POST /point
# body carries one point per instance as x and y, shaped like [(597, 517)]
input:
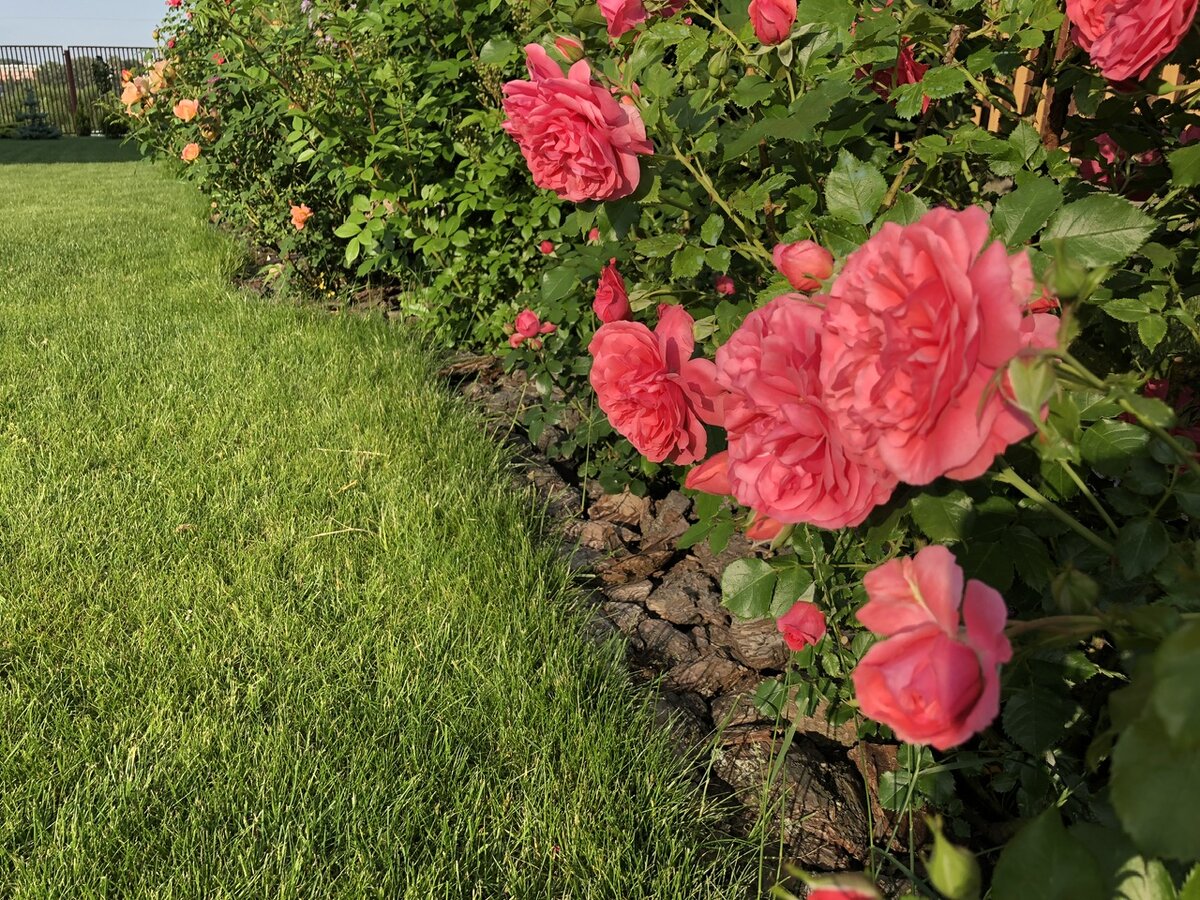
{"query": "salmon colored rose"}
[(652, 391), (787, 456), (623, 15), (764, 528), (711, 476), (805, 264), (186, 109), (773, 20), (190, 153), (528, 327), (300, 216), (802, 626), (1127, 39), (933, 680), (611, 303), (917, 326), (578, 140)]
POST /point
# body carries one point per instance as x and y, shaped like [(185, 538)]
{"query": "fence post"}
[(72, 95)]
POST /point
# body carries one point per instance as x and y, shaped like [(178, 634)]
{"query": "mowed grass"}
[(67, 150), (273, 620)]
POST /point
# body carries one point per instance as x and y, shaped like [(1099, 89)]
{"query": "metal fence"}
[(66, 81)]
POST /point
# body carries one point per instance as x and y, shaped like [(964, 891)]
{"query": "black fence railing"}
[(70, 83)]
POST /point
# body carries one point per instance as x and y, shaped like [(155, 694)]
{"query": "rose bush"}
[(912, 289)]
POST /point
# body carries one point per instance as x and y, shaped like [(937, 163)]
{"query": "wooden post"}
[(72, 94)]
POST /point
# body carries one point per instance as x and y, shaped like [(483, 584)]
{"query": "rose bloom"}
[(133, 91), (622, 15), (711, 476), (652, 391), (724, 285), (764, 528), (1127, 39), (787, 456), (773, 20), (186, 109), (842, 893), (802, 626), (593, 235), (932, 681), (917, 326), (300, 216), (906, 70), (805, 264), (190, 153), (611, 303), (577, 139), (528, 324), (547, 247), (571, 49)]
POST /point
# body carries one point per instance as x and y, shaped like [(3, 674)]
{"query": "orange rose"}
[(190, 153), (187, 109), (300, 215)]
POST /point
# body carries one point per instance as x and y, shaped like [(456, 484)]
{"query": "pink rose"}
[(1127, 39), (764, 528), (515, 339), (652, 391), (724, 285), (593, 235), (548, 328), (842, 893), (773, 20), (787, 456), (577, 139), (528, 323), (623, 15), (711, 476), (917, 326), (932, 681), (804, 264), (611, 303), (802, 626), (547, 247)]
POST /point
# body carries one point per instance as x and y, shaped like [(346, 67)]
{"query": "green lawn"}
[(273, 622), (67, 150)]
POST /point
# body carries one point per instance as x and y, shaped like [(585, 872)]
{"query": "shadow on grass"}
[(68, 150)]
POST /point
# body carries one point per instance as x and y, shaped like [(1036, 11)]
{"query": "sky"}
[(108, 23)]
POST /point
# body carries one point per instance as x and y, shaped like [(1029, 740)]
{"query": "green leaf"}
[(1109, 445), (941, 518), (944, 81), (1099, 230), (1191, 887), (1046, 862), (710, 231), (1176, 693), (558, 282), (1037, 718), (497, 52), (688, 262), (659, 245), (1019, 215), (752, 89), (1153, 410), (1152, 330), (1185, 166), (1127, 309), (854, 190), (792, 584), (747, 587), (1155, 785), (1127, 875), (1141, 545)]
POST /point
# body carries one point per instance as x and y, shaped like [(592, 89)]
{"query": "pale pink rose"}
[(578, 140), (917, 326), (802, 626), (186, 110), (724, 285), (711, 476), (611, 303), (932, 681), (547, 247), (527, 323), (190, 153), (773, 20), (652, 391), (787, 456), (1127, 39), (805, 264)]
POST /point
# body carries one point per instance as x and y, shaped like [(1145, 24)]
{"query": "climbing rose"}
[(547, 247), (917, 326), (190, 153), (300, 216), (787, 456), (1127, 39), (651, 389), (527, 323), (773, 20), (577, 139), (611, 303), (932, 681), (804, 264), (724, 285), (802, 625)]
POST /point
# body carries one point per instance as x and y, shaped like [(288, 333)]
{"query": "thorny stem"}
[(716, 20), (1008, 476), (701, 176)]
